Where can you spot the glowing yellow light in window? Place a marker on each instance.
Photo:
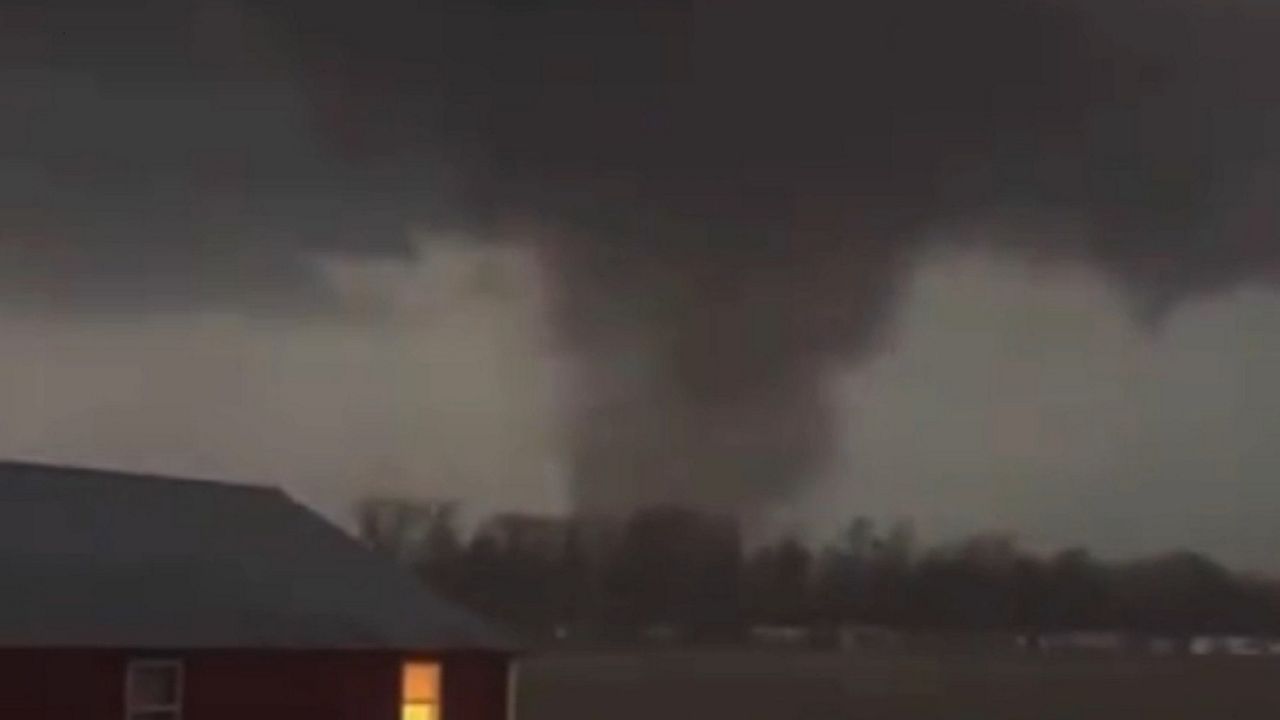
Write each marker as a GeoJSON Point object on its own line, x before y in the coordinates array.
{"type": "Point", "coordinates": [420, 691]}
{"type": "Point", "coordinates": [420, 711]}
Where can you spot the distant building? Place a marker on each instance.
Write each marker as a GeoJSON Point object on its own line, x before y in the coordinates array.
{"type": "Point", "coordinates": [552, 537]}
{"type": "Point", "coordinates": [535, 535]}
{"type": "Point", "coordinates": [1087, 641]}
{"type": "Point", "coordinates": [782, 635]}
{"type": "Point", "coordinates": [147, 598]}
{"type": "Point", "coordinates": [862, 637]}
{"type": "Point", "coordinates": [661, 634]}
{"type": "Point", "coordinates": [1238, 645]}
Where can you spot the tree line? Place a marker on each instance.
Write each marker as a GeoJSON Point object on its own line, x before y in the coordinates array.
{"type": "Point", "coordinates": [691, 572]}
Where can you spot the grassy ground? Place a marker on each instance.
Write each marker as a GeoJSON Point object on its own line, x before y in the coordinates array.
{"type": "Point", "coordinates": [751, 685]}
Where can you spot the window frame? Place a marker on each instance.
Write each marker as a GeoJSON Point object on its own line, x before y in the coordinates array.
{"type": "Point", "coordinates": [406, 701]}
{"type": "Point", "coordinates": [513, 688]}
{"type": "Point", "coordinates": [133, 710]}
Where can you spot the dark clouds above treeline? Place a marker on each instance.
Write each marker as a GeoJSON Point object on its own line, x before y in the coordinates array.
{"type": "Point", "coordinates": [294, 126]}
{"type": "Point", "coordinates": [725, 190]}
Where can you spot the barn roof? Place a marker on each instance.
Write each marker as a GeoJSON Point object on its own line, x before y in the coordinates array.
{"type": "Point", "coordinates": [92, 558]}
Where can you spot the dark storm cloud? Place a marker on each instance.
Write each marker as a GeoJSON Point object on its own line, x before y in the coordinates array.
{"type": "Point", "coordinates": [726, 190]}
{"type": "Point", "coordinates": [166, 155]}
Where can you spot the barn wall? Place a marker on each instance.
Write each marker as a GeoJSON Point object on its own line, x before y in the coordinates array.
{"type": "Point", "coordinates": [43, 685]}
{"type": "Point", "coordinates": [475, 687]}
{"type": "Point", "coordinates": [58, 685]}
{"type": "Point", "coordinates": [292, 686]}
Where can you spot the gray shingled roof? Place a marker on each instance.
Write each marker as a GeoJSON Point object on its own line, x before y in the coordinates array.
{"type": "Point", "coordinates": [92, 558]}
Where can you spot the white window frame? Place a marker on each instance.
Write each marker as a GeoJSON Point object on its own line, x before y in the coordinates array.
{"type": "Point", "coordinates": [132, 710]}
{"type": "Point", "coordinates": [513, 688]}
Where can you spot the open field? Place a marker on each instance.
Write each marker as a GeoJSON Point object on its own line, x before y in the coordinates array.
{"type": "Point", "coordinates": [797, 685]}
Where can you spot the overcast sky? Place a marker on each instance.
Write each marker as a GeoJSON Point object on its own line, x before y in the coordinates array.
{"type": "Point", "coordinates": [987, 263]}
{"type": "Point", "coordinates": [1027, 400]}
{"type": "Point", "coordinates": [440, 387]}
{"type": "Point", "coordinates": [1009, 396]}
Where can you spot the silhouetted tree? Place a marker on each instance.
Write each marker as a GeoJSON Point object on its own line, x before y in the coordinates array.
{"type": "Point", "coordinates": [778, 585]}
{"type": "Point", "coordinates": [675, 566]}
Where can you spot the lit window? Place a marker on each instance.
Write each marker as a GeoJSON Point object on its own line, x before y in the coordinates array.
{"type": "Point", "coordinates": [420, 691]}
{"type": "Point", "coordinates": [153, 690]}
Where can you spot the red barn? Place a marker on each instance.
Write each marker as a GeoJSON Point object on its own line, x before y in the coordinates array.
{"type": "Point", "coordinates": [128, 597]}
